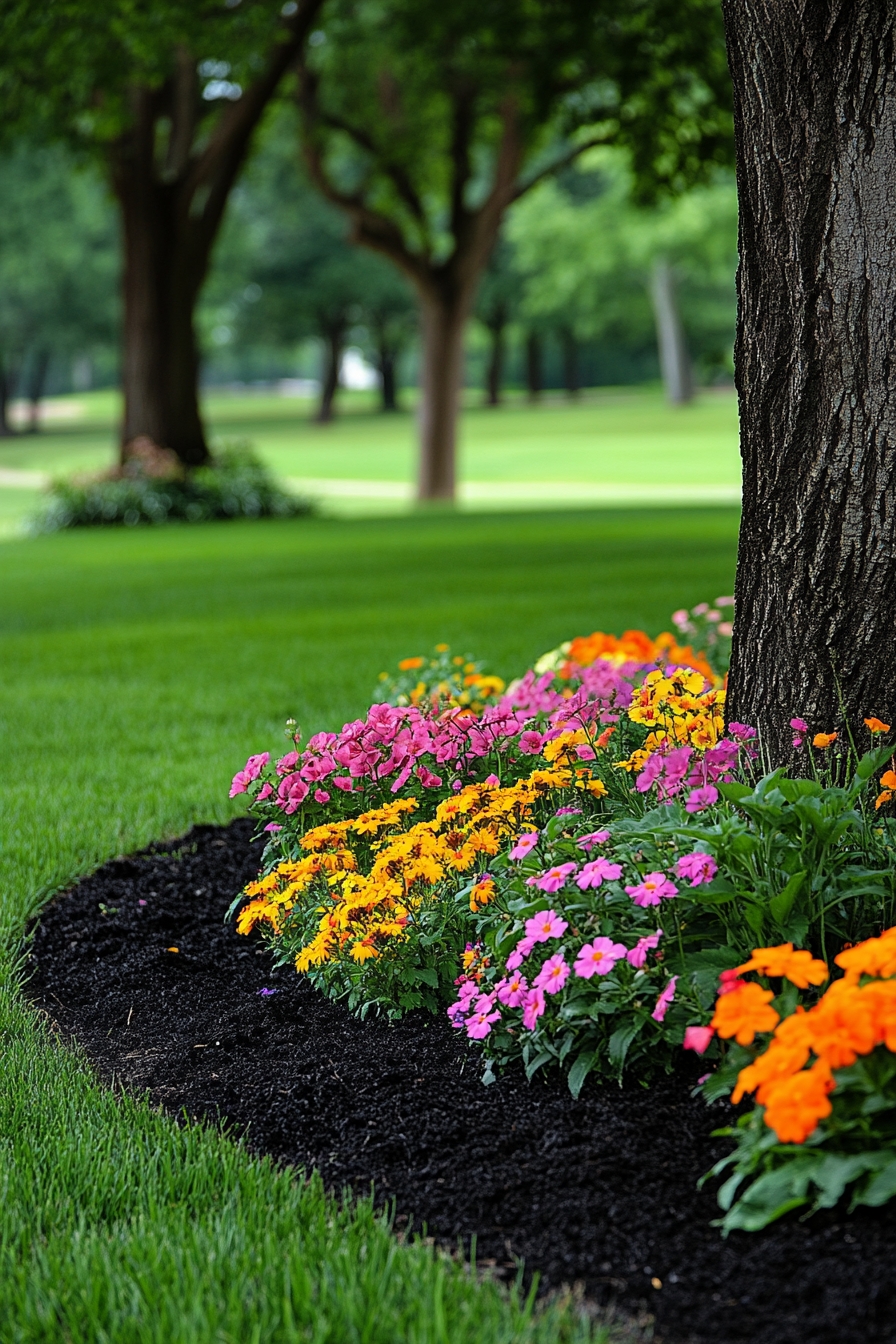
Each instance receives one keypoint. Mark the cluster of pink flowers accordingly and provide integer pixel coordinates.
(652, 888)
(607, 687)
(672, 769)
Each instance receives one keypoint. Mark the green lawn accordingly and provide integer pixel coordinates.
(138, 670)
(615, 445)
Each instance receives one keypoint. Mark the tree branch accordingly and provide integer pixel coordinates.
(555, 167)
(403, 184)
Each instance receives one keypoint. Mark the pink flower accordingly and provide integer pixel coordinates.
(530, 742)
(742, 732)
(427, 778)
(264, 792)
(273, 827)
(700, 799)
(533, 1008)
(343, 782)
(587, 842)
(490, 781)
(554, 878)
(662, 1003)
(291, 793)
(598, 957)
(593, 873)
(513, 991)
(321, 795)
(250, 771)
(637, 955)
(553, 974)
(515, 960)
(568, 812)
(287, 762)
(800, 728)
(524, 844)
(726, 628)
(480, 1024)
(697, 867)
(698, 1039)
(681, 618)
(546, 924)
(655, 887)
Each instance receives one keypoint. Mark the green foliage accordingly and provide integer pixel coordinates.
(236, 484)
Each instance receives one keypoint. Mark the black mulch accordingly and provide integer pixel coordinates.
(601, 1191)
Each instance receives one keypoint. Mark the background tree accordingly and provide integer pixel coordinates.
(425, 122)
(815, 117)
(496, 303)
(167, 94)
(59, 267)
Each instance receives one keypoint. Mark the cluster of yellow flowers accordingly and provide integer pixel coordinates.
(359, 912)
(679, 709)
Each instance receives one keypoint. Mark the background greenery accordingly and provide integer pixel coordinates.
(138, 670)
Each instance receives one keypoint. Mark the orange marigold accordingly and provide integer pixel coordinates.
(842, 1025)
(743, 1011)
(795, 1105)
(823, 740)
(800, 967)
(876, 956)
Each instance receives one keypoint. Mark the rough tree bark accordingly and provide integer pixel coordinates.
(172, 204)
(815, 116)
(675, 362)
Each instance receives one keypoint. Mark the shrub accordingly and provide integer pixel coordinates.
(236, 484)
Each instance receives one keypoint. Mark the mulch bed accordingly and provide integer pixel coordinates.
(600, 1192)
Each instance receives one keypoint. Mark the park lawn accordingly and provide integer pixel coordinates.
(139, 669)
(618, 440)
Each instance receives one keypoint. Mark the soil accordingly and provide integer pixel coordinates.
(137, 966)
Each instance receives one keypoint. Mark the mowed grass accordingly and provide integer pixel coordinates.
(138, 670)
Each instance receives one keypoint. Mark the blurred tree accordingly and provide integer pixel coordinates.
(424, 123)
(168, 95)
(592, 262)
(59, 263)
(495, 308)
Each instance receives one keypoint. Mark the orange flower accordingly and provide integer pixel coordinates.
(743, 1011)
(482, 893)
(842, 1025)
(408, 664)
(876, 956)
(795, 1105)
(883, 798)
(876, 726)
(800, 968)
(782, 1059)
(823, 740)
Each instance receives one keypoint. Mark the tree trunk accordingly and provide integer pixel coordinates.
(570, 363)
(9, 377)
(388, 386)
(495, 367)
(37, 379)
(675, 362)
(534, 381)
(163, 273)
(329, 383)
(815, 118)
(443, 321)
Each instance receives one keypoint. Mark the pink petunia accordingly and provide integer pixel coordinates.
(698, 1039)
(525, 843)
(700, 799)
(264, 792)
(593, 873)
(273, 827)
(490, 781)
(343, 782)
(800, 729)
(653, 888)
(553, 974)
(513, 991)
(480, 1024)
(697, 867)
(637, 956)
(587, 842)
(291, 793)
(531, 742)
(250, 771)
(662, 1003)
(598, 957)
(321, 795)
(554, 878)
(427, 778)
(546, 924)
(533, 1008)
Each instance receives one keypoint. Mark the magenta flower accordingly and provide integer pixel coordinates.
(273, 827)
(250, 771)
(533, 1008)
(427, 778)
(343, 782)
(742, 732)
(524, 844)
(513, 991)
(321, 795)
(662, 1003)
(587, 842)
(291, 793)
(800, 729)
(480, 1024)
(546, 924)
(700, 799)
(553, 974)
(698, 1039)
(593, 873)
(568, 812)
(697, 867)
(530, 742)
(491, 781)
(652, 889)
(554, 878)
(637, 955)
(598, 957)
(264, 792)
(515, 960)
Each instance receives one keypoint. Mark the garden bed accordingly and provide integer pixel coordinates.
(599, 1191)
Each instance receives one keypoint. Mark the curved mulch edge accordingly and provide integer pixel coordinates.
(600, 1192)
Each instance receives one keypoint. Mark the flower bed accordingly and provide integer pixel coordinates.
(572, 866)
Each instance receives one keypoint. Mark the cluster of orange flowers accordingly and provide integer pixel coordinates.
(853, 1017)
(633, 646)
(360, 912)
(679, 709)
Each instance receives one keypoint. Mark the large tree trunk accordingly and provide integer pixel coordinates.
(534, 380)
(815, 116)
(495, 367)
(675, 362)
(329, 383)
(443, 322)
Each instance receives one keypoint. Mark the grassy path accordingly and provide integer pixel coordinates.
(138, 669)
